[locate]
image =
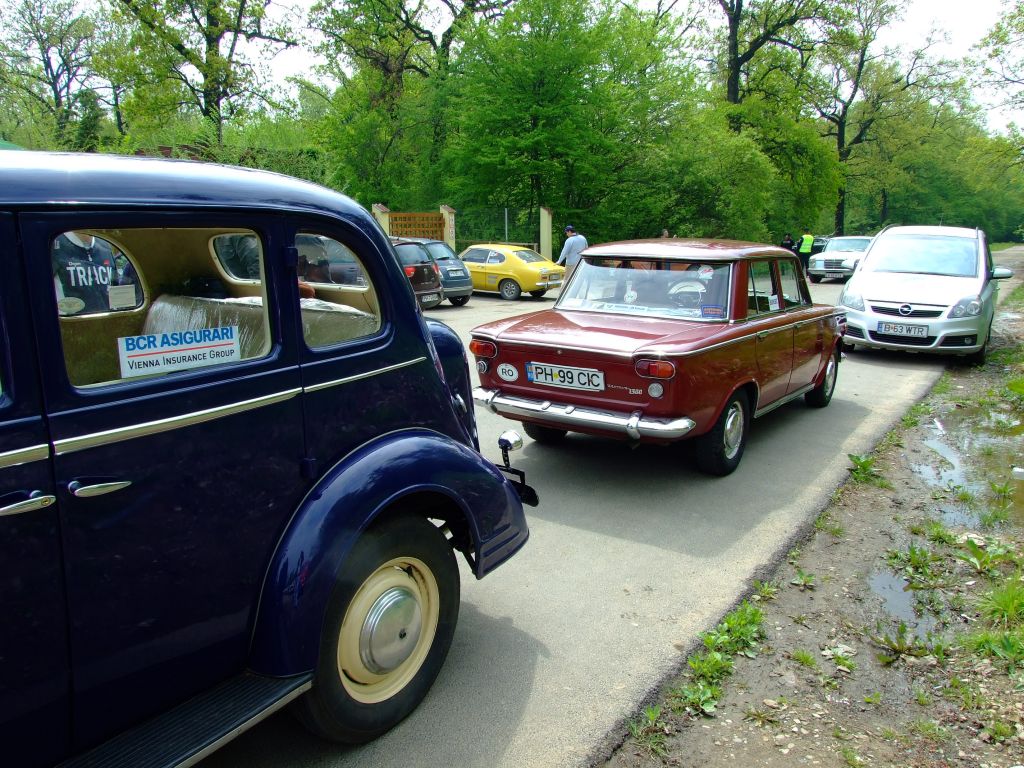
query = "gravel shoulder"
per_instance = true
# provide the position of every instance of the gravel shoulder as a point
(893, 633)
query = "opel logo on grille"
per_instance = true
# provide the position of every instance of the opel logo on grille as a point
(906, 310)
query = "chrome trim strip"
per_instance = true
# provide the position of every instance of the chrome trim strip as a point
(24, 456)
(783, 400)
(239, 730)
(631, 424)
(100, 489)
(81, 443)
(645, 351)
(360, 376)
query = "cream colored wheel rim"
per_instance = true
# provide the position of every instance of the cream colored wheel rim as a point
(388, 630)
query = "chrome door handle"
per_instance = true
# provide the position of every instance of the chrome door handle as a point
(763, 334)
(36, 501)
(80, 491)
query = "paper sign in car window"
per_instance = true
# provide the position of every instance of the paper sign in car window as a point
(177, 350)
(773, 302)
(121, 296)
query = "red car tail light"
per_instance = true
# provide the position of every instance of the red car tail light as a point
(655, 369)
(437, 269)
(410, 271)
(482, 348)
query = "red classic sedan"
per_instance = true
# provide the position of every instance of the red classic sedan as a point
(660, 340)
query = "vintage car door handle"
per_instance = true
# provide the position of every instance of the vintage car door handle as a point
(80, 491)
(36, 500)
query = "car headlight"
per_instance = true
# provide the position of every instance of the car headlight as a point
(969, 307)
(543, 271)
(852, 300)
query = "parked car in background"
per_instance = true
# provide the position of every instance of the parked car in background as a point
(510, 270)
(217, 497)
(838, 259)
(455, 279)
(924, 289)
(661, 340)
(422, 271)
(820, 241)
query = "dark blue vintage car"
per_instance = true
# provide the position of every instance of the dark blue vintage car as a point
(225, 485)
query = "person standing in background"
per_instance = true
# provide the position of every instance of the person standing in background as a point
(806, 245)
(788, 243)
(570, 255)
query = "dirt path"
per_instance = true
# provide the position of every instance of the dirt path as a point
(894, 635)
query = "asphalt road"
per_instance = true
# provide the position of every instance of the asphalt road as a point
(632, 554)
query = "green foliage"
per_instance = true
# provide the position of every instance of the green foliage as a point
(897, 642)
(804, 658)
(698, 697)
(648, 731)
(864, 471)
(1004, 605)
(803, 581)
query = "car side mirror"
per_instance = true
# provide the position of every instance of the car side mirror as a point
(1001, 273)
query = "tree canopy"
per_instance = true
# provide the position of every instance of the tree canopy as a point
(724, 118)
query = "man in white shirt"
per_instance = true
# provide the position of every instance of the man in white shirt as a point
(570, 255)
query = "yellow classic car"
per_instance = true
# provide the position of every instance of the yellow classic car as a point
(510, 270)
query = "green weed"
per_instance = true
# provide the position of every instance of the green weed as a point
(983, 560)
(930, 730)
(850, 757)
(1004, 605)
(803, 581)
(864, 471)
(990, 518)
(710, 666)
(937, 533)
(649, 731)
(698, 698)
(766, 590)
(804, 658)
(873, 698)
(922, 698)
(1005, 646)
(913, 416)
(760, 717)
(897, 643)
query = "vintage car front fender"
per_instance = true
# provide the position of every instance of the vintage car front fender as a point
(409, 468)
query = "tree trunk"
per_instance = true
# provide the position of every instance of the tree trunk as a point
(841, 212)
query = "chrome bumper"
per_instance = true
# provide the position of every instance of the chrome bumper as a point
(633, 425)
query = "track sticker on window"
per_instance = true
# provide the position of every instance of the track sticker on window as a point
(177, 350)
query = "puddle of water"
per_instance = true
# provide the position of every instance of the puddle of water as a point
(991, 439)
(899, 602)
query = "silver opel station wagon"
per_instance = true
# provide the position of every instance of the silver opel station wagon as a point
(229, 480)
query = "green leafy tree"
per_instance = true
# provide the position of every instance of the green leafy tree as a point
(45, 49)
(200, 55)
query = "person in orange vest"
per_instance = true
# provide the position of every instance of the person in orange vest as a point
(806, 245)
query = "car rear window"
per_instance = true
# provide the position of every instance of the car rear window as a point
(441, 251)
(529, 256)
(924, 255)
(411, 254)
(676, 289)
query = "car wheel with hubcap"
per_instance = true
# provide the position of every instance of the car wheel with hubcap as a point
(543, 434)
(458, 301)
(388, 628)
(821, 395)
(510, 289)
(719, 451)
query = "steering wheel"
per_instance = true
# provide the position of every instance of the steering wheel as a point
(687, 294)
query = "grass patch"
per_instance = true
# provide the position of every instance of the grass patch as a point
(1003, 606)
(914, 414)
(804, 658)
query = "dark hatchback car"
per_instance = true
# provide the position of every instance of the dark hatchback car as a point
(455, 280)
(422, 271)
(220, 496)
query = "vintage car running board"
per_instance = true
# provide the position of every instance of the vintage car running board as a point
(190, 732)
(783, 400)
(633, 425)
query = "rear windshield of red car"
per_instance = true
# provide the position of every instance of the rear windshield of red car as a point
(690, 290)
